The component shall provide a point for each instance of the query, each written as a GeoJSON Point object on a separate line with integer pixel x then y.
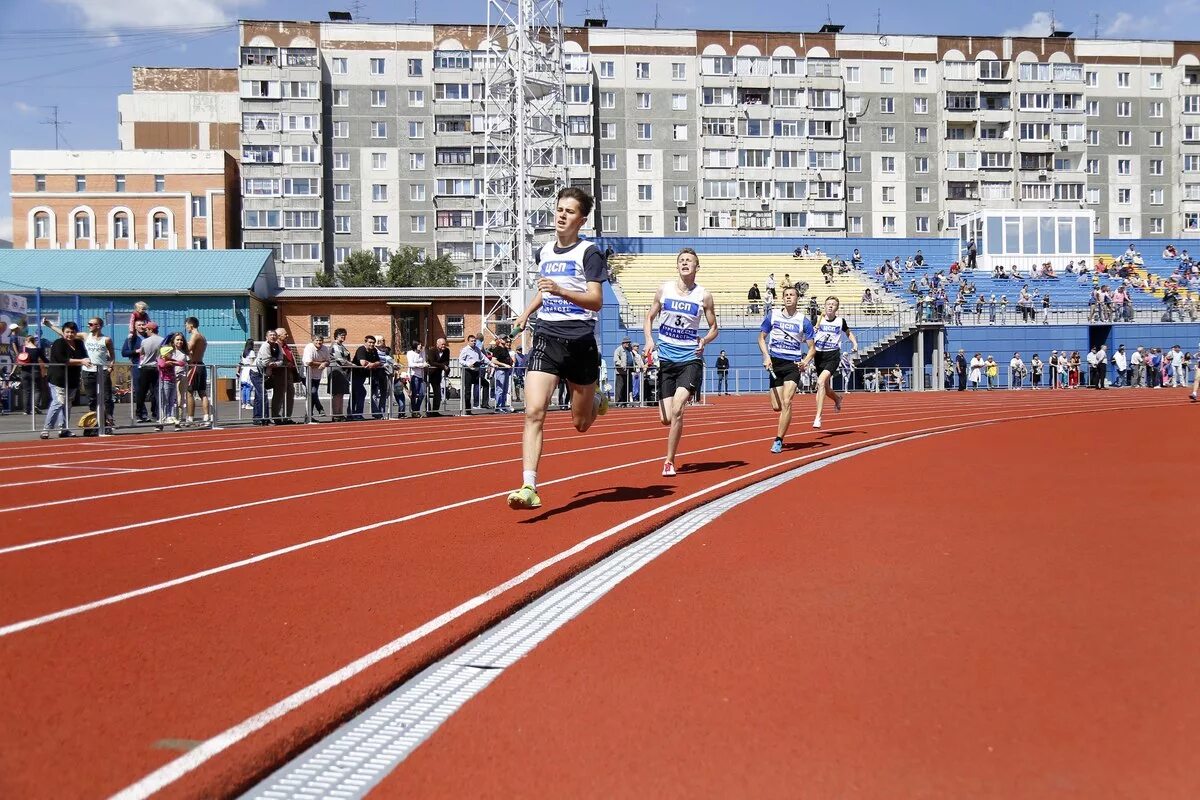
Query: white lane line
{"type": "Point", "coordinates": [341, 464]}
{"type": "Point", "coordinates": [361, 753]}
{"type": "Point", "coordinates": [174, 770]}
{"type": "Point", "coordinates": [88, 467]}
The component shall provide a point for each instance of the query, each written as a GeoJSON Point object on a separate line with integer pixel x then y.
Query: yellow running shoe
{"type": "Point", "coordinates": [525, 497]}
{"type": "Point", "coordinates": [602, 409]}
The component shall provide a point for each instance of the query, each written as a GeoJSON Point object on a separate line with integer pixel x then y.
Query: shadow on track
{"type": "Point", "coordinates": [709, 466]}
{"type": "Point", "coordinates": [614, 494]}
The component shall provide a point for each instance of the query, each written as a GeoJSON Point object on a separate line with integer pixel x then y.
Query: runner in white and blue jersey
{"type": "Point", "coordinates": [570, 295]}
{"type": "Point", "coordinates": [830, 330]}
{"type": "Point", "coordinates": [785, 338]}
{"type": "Point", "coordinates": [673, 332]}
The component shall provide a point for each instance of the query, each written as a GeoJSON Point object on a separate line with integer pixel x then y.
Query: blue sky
{"type": "Point", "coordinates": [77, 54]}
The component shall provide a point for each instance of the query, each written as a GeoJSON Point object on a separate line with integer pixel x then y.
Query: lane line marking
{"type": "Point", "coordinates": [174, 770]}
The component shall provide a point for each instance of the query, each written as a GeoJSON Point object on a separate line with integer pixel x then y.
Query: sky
{"type": "Point", "coordinates": [76, 55]}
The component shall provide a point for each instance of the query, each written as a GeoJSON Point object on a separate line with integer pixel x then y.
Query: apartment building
{"type": "Point", "coordinates": [370, 136]}
{"type": "Point", "coordinates": [180, 108]}
{"type": "Point", "coordinates": [125, 199]}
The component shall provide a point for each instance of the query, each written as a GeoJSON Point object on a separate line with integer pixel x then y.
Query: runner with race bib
{"type": "Point", "coordinates": [827, 352]}
{"type": "Point", "coordinates": [785, 338]}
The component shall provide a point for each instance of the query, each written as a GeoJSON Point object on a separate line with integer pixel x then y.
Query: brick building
{"type": "Point", "coordinates": [125, 200]}
{"type": "Point", "coordinates": [389, 314]}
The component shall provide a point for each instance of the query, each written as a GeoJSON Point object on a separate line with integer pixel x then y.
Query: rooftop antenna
{"type": "Point", "coordinates": [1096, 25]}
{"type": "Point", "coordinates": [656, 16]}
{"type": "Point", "coordinates": [57, 123]}
{"type": "Point", "coordinates": [356, 9]}
{"type": "Point", "coordinates": [1053, 21]}
{"type": "Point", "coordinates": [878, 21]}
{"type": "Point", "coordinates": [828, 15]}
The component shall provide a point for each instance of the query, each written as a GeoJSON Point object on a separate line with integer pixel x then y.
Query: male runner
{"type": "Point", "coordinates": [830, 329]}
{"type": "Point", "coordinates": [677, 307]}
{"type": "Point", "coordinates": [197, 374]}
{"type": "Point", "coordinates": [1196, 380]}
{"type": "Point", "coordinates": [782, 340]}
{"type": "Point", "coordinates": [567, 305]}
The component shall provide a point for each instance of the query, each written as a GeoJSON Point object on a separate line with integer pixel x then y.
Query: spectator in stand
{"type": "Point", "coordinates": [1003, 309]}
{"type": "Point", "coordinates": [753, 300]}
{"type": "Point", "coordinates": [418, 369]}
{"type": "Point", "coordinates": [1016, 372]}
{"type": "Point", "coordinates": [437, 369]}
{"type": "Point", "coordinates": [316, 358]}
{"type": "Point", "coordinates": [770, 284]}
{"type": "Point", "coordinates": [469, 359]}
{"type": "Point", "coordinates": [148, 374]}
{"type": "Point", "coordinates": [856, 258]}
{"type": "Point", "coordinates": [67, 357]}
{"type": "Point", "coordinates": [501, 360]}
{"type": "Point", "coordinates": [1035, 370]}
{"type": "Point", "coordinates": [992, 310]}
{"type": "Point", "coordinates": [1025, 304]}
{"type": "Point", "coordinates": [1120, 367]}
{"type": "Point", "coordinates": [1169, 252]}
{"type": "Point", "coordinates": [977, 367]}
{"type": "Point", "coordinates": [340, 367]}
{"type": "Point", "coordinates": [369, 365]}
{"type": "Point", "coordinates": [1046, 309]}
{"type": "Point", "coordinates": [248, 377]}
{"type": "Point", "coordinates": [972, 253]}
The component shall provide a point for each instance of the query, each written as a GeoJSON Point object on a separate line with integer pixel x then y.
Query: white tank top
{"type": "Point", "coordinates": [565, 269]}
{"type": "Point", "coordinates": [829, 333]}
{"type": "Point", "coordinates": [97, 353]}
{"type": "Point", "coordinates": [679, 322]}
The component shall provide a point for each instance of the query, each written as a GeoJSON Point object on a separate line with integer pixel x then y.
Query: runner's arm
{"type": "Point", "coordinates": [710, 313]}
{"type": "Point", "coordinates": [651, 315]}
{"type": "Point", "coordinates": [591, 298]}
{"type": "Point", "coordinates": [534, 304]}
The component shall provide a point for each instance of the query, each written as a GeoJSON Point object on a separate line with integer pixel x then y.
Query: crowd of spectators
{"type": "Point", "coordinates": [1141, 367]}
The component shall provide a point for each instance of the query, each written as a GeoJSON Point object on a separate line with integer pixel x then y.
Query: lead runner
{"type": "Point", "coordinates": [570, 295]}
{"type": "Point", "coordinates": [830, 329]}
{"type": "Point", "coordinates": [782, 339]}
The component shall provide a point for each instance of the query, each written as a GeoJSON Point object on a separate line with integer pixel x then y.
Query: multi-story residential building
{"type": "Point", "coordinates": [180, 108]}
{"type": "Point", "coordinates": [125, 199]}
{"type": "Point", "coordinates": [370, 135]}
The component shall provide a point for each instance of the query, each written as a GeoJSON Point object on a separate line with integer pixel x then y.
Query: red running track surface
{"type": "Point", "coordinates": [240, 599]}
{"type": "Point", "coordinates": [1002, 612]}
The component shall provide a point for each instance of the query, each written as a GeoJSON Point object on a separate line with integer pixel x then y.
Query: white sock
{"type": "Point", "coordinates": [529, 478]}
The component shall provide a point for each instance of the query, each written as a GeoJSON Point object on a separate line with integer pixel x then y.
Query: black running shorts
{"type": "Point", "coordinates": [828, 361]}
{"type": "Point", "coordinates": [197, 379]}
{"type": "Point", "coordinates": [783, 371]}
{"type": "Point", "coordinates": [575, 360]}
{"type": "Point", "coordinates": [674, 375]}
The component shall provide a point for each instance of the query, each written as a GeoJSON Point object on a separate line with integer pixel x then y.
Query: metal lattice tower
{"type": "Point", "coordinates": [524, 96]}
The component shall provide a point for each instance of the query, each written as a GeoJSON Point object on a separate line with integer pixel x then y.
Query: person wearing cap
{"type": "Point", "coordinates": [148, 373]}
{"type": "Point", "coordinates": [1052, 363]}
{"type": "Point", "coordinates": [623, 364]}
{"type": "Point", "coordinates": [960, 369]}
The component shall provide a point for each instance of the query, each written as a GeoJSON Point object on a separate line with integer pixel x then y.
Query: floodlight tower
{"type": "Point", "coordinates": [524, 98]}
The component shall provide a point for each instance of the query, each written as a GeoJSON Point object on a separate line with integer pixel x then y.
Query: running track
{"type": "Point", "coordinates": [181, 613]}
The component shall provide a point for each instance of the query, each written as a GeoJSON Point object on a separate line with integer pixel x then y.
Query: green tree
{"type": "Point", "coordinates": [406, 269]}
{"type": "Point", "coordinates": [362, 268]}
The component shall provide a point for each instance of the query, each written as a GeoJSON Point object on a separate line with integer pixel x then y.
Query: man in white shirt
{"type": "Point", "coordinates": [1101, 369]}
{"type": "Point", "coordinates": [1178, 379]}
{"type": "Point", "coordinates": [1121, 363]}
{"type": "Point", "coordinates": [416, 377]}
{"type": "Point", "coordinates": [1016, 371]}
{"type": "Point", "coordinates": [469, 359]}
{"type": "Point", "coordinates": [316, 359]}
{"type": "Point", "coordinates": [1137, 368]}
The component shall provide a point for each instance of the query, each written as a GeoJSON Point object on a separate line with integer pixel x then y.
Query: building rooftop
{"type": "Point", "coordinates": [146, 272]}
{"type": "Point", "coordinates": [384, 293]}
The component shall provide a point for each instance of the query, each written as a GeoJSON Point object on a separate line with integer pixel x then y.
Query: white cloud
{"type": "Point", "coordinates": [104, 15]}
{"type": "Point", "coordinates": [24, 108]}
{"type": "Point", "coordinates": [6, 228]}
{"type": "Point", "coordinates": [1126, 24]}
{"type": "Point", "coordinates": [1038, 25]}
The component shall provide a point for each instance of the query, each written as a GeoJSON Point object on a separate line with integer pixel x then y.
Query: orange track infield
{"type": "Point", "coordinates": [979, 614]}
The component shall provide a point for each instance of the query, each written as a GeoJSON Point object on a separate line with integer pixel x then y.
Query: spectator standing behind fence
{"type": "Point", "coordinates": [31, 360]}
{"type": "Point", "coordinates": [1121, 366]}
{"type": "Point", "coordinates": [722, 366]}
{"type": "Point", "coordinates": [483, 384]}
{"type": "Point", "coordinates": [469, 360]}
{"type": "Point", "coordinates": [197, 378]}
{"type": "Point", "coordinates": [437, 369]}
{"type": "Point", "coordinates": [368, 367]}
{"type": "Point", "coordinates": [993, 372]}
{"type": "Point", "coordinates": [67, 356]}
{"type": "Point", "coordinates": [172, 363]}
{"type": "Point", "coordinates": [518, 377]}
{"type": "Point", "coordinates": [1178, 377]}
{"type": "Point", "coordinates": [501, 360]}
{"type": "Point", "coordinates": [977, 367]}
{"type": "Point", "coordinates": [131, 349]}
{"type": "Point", "coordinates": [274, 374]}
{"type": "Point", "coordinates": [1016, 371]}
{"type": "Point", "coordinates": [339, 374]}
{"type": "Point", "coordinates": [960, 369]}
{"type": "Point", "coordinates": [623, 366]}
{"type": "Point", "coordinates": [147, 385]}
{"type": "Point", "coordinates": [315, 358]}
{"type": "Point", "coordinates": [97, 373]}
{"type": "Point", "coordinates": [1035, 371]}
{"type": "Point", "coordinates": [247, 374]}
{"type": "Point", "coordinates": [417, 370]}
{"type": "Point", "coordinates": [141, 313]}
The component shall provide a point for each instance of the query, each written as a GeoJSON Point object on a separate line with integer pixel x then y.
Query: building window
{"type": "Point", "coordinates": [920, 75]}
{"type": "Point", "coordinates": [681, 223]}
{"type": "Point", "coordinates": [1124, 195]}
{"type": "Point", "coordinates": [887, 105]}
{"type": "Point", "coordinates": [1124, 166]}
{"type": "Point", "coordinates": [678, 71]}
{"type": "Point", "coordinates": [887, 75]}
{"type": "Point", "coordinates": [645, 131]}
{"type": "Point", "coordinates": [1156, 109]}
{"type": "Point", "coordinates": [608, 161]}
{"type": "Point", "coordinates": [319, 326]}
{"type": "Point", "coordinates": [341, 160]}
{"type": "Point", "coordinates": [887, 134]}
{"type": "Point", "coordinates": [416, 98]}
{"type": "Point", "coordinates": [608, 130]}
{"type": "Point", "coordinates": [340, 66]}
{"type": "Point", "coordinates": [378, 130]}
{"type": "Point", "coordinates": [608, 192]}
{"type": "Point", "coordinates": [341, 223]}
{"type": "Point", "coordinates": [642, 70]}
{"type": "Point", "coordinates": [41, 225]}
{"type": "Point", "coordinates": [378, 66]}
{"type": "Point", "coordinates": [340, 254]}
{"type": "Point", "coordinates": [645, 223]}
{"type": "Point", "coordinates": [921, 164]}
{"type": "Point", "coordinates": [855, 224]}
{"type": "Point", "coordinates": [200, 243]}
{"type": "Point", "coordinates": [121, 225]}
{"type": "Point", "coordinates": [679, 162]}
{"type": "Point", "coordinates": [921, 135]}
{"type": "Point", "coordinates": [379, 98]}
{"type": "Point", "coordinates": [853, 75]}
{"type": "Point", "coordinates": [1093, 137]}
{"type": "Point", "coordinates": [679, 101]}
{"type": "Point", "coordinates": [456, 326]}
{"type": "Point", "coordinates": [378, 160]}
{"type": "Point", "coordinates": [607, 69]}
{"type": "Point", "coordinates": [160, 183]}
{"type": "Point", "coordinates": [341, 98]}
{"type": "Point", "coordinates": [922, 224]}
{"type": "Point", "coordinates": [1156, 138]}
{"type": "Point", "coordinates": [679, 132]}
{"type": "Point", "coordinates": [645, 162]}
{"type": "Point", "coordinates": [1123, 80]}
{"type": "Point", "coordinates": [81, 183]}
{"type": "Point", "coordinates": [341, 193]}
{"type": "Point", "coordinates": [1125, 224]}
{"type": "Point", "coordinates": [921, 194]}
{"type": "Point", "coordinates": [341, 129]}
{"type": "Point", "coordinates": [416, 129]}
{"type": "Point", "coordinates": [379, 192]}
{"type": "Point", "coordinates": [887, 194]}
{"type": "Point", "coordinates": [1156, 166]}
{"type": "Point", "coordinates": [120, 183]}
{"type": "Point", "coordinates": [83, 226]}
{"type": "Point", "coordinates": [415, 68]}
{"type": "Point", "coordinates": [643, 100]}
{"type": "Point", "coordinates": [1156, 197]}
{"type": "Point", "coordinates": [379, 223]}
{"type": "Point", "coordinates": [1156, 224]}
{"type": "Point", "coordinates": [1124, 108]}
{"type": "Point", "coordinates": [416, 223]}
{"type": "Point", "coordinates": [853, 163]}
{"type": "Point", "coordinates": [416, 191]}
{"type": "Point", "coordinates": [162, 227]}
{"type": "Point", "coordinates": [39, 183]}
{"type": "Point", "coordinates": [416, 161]}
{"type": "Point", "coordinates": [1091, 78]}
{"type": "Point", "coordinates": [889, 224]}
{"type": "Point", "coordinates": [199, 206]}
{"type": "Point", "coordinates": [382, 254]}
{"type": "Point", "coordinates": [608, 100]}
{"type": "Point", "coordinates": [920, 105]}
{"type": "Point", "coordinates": [608, 224]}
